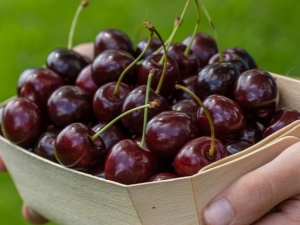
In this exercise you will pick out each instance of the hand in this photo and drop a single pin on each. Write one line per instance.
(269, 195)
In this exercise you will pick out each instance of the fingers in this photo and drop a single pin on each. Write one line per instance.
(256, 193)
(86, 49)
(2, 165)
(31, 216)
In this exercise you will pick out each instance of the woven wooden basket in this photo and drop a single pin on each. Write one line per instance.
(68, 197)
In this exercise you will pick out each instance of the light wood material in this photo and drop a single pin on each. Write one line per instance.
(68, 197)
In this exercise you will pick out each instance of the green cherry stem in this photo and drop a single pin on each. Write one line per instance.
(83, 4)
(214, 30)
(116, 90)
(212, 129)
(188, 48)
(151, 105)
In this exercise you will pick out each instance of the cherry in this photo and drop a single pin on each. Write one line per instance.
(244, 55)
(216, 78)
(39, 84)
(280, 119)
(257, 94)
(97, 171)
(203, 46)
(128, 163)
(69, 104)
(168, 131)
(153, 46)
(162, 176)
(22, 78)
(228, 118)
(112, 39)
(21, 122)
(237, 146)
(75, 149)
(85, 81)
(110, 64)
(189, 83)
(252, 132)
(188, 106)
(194, 155)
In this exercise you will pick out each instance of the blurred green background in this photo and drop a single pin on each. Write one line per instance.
(29, 30)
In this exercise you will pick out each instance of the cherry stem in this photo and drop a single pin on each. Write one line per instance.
(151, 105)
(116, 91)
(210, 121)
(151, 74)
(188, 48)
(214, 30)
(83, 4)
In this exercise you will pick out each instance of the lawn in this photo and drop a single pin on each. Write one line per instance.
(29, 30)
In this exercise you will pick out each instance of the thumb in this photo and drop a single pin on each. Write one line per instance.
(256, 193)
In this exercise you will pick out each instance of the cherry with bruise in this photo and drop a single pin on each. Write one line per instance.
(109, 65)
(244, 55)
(112, 39)
(127, 163)
(85, 81)
(153, 46)
(74, 148)
(21, 122)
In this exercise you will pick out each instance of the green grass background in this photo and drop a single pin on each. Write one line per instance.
(29, 30)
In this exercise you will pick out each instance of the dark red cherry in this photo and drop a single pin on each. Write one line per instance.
(44, 146)
(257, 94)
(241, 65)
(280, 119)
(22, 78)
(67, 63)
(237, 146)
(112, 39)
(228, 118)
(134, 121)
(194, 155)
(188, 106)
(75, 149)
(203, 46)
(162, 176)
(112, 135)
(168, 131)
(252, 132)
(171, 77)
(188, 65)
(128, 163)
(217, 78)
(106, 105)
(153, 46)
(244, 55)
(109, 65)
(39, 85)
(21, 122)
(69, 104)
(189, 83)
(85, 81)
(97, 171)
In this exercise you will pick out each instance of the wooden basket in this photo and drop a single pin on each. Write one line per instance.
(66, 196)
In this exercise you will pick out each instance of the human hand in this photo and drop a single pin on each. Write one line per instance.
(269, 195)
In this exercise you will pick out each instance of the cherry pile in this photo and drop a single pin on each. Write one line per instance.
(62, 108)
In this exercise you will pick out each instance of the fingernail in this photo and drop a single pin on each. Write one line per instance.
(219, 212)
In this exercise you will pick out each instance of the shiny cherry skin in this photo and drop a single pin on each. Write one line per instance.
(153, 46)
(74, 148)
(85, 81)
(203, 46)
(112, 135)
(162, 176)
(228, 118)
(193, 156)
(109, 65)
(44, 146)
(39, 85)
(189, 83)
(188, 65)
(69, 104)
(257, 94)
(106, 105)
(134, 121)
(22, 78)
(230, 57)
(244, 55)
(281, 118)
(21, 122)
(252, 132)
(216, 78)
(67, 63)
(168, 131)
(188, 106)
(237, 146)
(112, 39)
(172, 75)
(128, 163)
